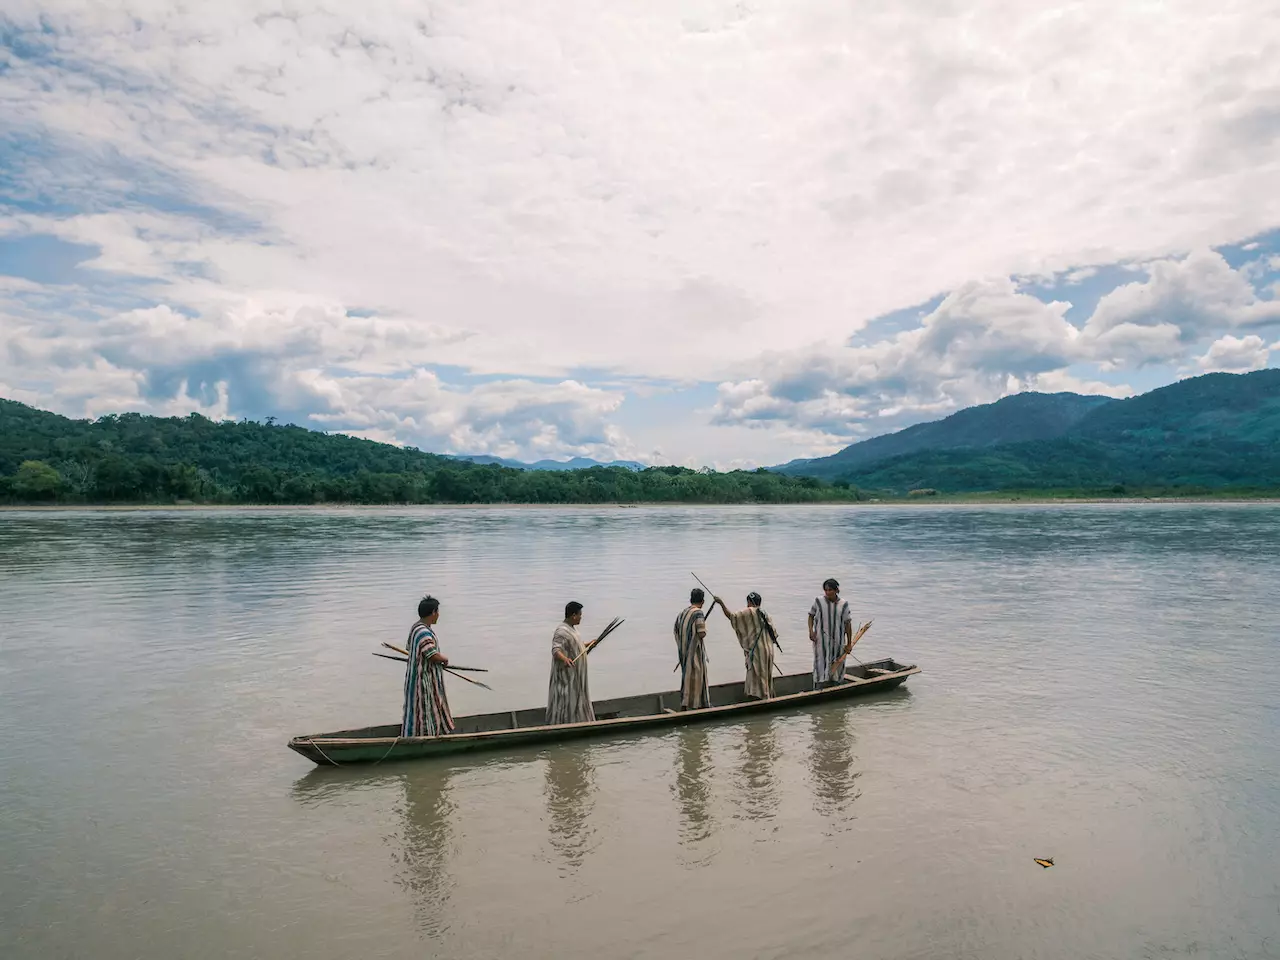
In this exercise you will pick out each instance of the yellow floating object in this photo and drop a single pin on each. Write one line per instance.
(1044, 863)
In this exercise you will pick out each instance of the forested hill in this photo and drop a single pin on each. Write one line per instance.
(132, 458)
(1022, 417)
(1214, 432)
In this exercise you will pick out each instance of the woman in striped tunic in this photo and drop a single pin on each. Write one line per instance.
(568, 699)
(426, 706)
(830, 626)
(691, 634)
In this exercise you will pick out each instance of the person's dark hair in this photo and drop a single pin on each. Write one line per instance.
(753, 599)
(831, 583)
(572, 607)
(428, 605)
(696, 595)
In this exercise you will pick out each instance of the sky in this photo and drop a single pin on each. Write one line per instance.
(709, 233)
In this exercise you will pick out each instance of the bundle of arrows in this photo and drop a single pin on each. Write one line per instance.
(613, 625)
(849, 646)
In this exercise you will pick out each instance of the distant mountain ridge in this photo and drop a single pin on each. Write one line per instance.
(1024, 416)
(1212, 431)
(574, 463)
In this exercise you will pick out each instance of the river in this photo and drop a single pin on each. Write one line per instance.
(1099, 685)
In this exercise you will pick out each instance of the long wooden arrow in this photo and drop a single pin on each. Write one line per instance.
(451, 666)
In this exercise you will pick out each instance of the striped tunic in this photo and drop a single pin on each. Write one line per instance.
(691, 633)
(426, 706)
(757, 649)
(568, 699)
(829, 620)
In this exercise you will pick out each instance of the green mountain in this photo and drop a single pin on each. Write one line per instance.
(1211, 432)
(132, 458)
(1022, 417)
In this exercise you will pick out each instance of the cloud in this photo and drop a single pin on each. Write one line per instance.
(986, 340)
(1230, 354)
(981, 341)
(1181, 301)
(511, 418)
(1060, 381)
(570, 158)
(317, 366)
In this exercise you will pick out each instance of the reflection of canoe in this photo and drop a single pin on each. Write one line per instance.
(488, 731)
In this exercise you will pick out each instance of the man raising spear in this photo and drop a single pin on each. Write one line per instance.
(757, 637)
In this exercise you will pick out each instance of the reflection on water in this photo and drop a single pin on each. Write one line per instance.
(756, 793)
(424, 846)
(570, 791)
(831, 772)
(692, 788)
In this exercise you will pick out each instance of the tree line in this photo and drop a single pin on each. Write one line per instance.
(133, 458)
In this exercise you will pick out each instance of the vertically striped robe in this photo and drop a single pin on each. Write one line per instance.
(690, 632)
(426, 706)
(829, 620)
(757, 649)
(568, 699)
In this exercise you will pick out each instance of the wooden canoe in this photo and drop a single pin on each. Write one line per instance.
(651, 711)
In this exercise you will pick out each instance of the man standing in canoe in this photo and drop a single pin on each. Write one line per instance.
(756, 635)
(830, 626)
(568, 699)
(691, 634)
(426, 706)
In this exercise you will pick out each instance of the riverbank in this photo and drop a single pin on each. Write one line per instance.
(954, 500)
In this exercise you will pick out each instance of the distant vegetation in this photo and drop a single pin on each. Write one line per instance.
(1208, 434)
(130, 458)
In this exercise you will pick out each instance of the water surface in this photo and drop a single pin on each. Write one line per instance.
(1100, 686)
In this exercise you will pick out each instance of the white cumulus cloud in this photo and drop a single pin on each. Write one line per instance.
(1179, 303)
(989, 339)
(1230, 354)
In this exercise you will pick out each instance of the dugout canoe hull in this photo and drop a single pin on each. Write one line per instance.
(621, 715)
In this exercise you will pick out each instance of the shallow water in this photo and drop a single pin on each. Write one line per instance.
(1100, 685)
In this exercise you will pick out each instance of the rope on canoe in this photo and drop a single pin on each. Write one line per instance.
(337, 764)
(388, 753)
(334, 763)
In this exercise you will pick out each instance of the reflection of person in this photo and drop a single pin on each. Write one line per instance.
(426, 706)
(428, 812)
(570, 780)
(691, 635)
(758, 780)
(756, 635)
(831, 761)
(692, 791)
(830, 626)
(568, 699)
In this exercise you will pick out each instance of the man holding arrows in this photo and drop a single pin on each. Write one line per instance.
(831, 632)
(568, 696)
(426, 705)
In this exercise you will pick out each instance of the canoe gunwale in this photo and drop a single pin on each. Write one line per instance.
(317, 746)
